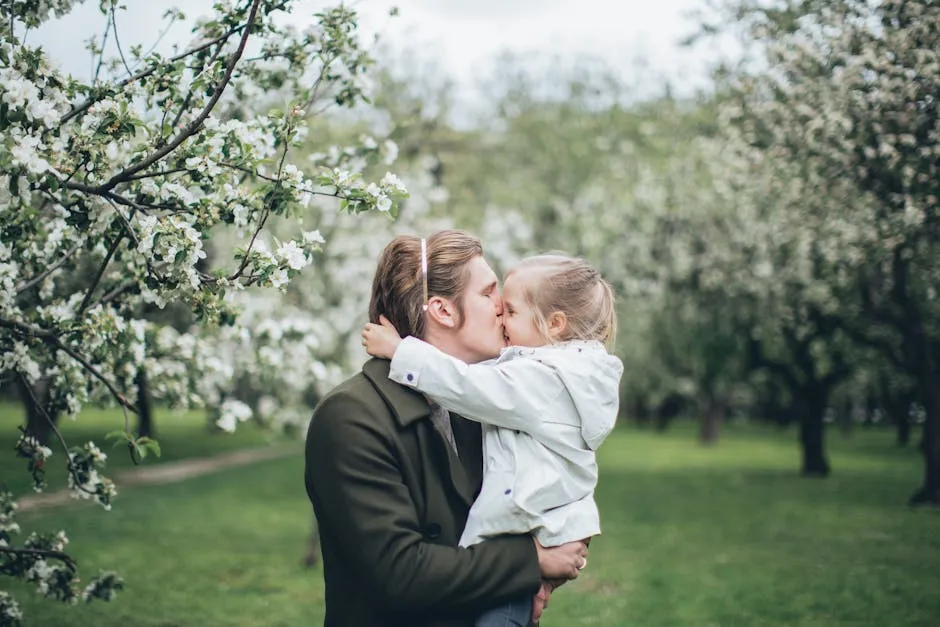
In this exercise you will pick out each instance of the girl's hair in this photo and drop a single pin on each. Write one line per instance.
(398, 284)
(574, 287)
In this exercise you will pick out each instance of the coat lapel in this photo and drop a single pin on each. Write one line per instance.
(409, 406)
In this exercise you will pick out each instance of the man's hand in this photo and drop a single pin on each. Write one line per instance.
(562, 562)
(380, 340)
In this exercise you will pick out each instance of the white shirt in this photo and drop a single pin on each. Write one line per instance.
(544, 411)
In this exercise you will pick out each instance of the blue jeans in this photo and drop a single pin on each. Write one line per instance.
(512, 614)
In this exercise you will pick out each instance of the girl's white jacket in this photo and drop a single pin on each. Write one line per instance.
(544, 411)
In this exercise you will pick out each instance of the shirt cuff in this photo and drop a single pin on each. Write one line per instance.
(406, 362)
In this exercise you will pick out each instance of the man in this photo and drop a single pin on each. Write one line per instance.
(392, 477)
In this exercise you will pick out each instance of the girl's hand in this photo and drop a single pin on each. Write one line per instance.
(380, 340)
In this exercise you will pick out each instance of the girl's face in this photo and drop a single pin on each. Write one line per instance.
(518, 316)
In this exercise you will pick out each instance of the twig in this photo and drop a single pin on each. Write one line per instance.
(104, 42)
(104, 266)
(118, 41)
(126, 220)
(22, 287)
(42, 410)
(145, 73)
(163, 34)
(123, 287)
(272, 179)
(150, 175)
(264, 218)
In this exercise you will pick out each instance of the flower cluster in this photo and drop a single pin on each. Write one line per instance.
(8, 527)
(42, 561)
(10, 613)
(36, 455)
(85, 480)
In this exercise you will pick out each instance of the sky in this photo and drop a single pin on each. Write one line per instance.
(462, 38)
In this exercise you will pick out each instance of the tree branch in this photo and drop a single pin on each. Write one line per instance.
(22, 287)
(758, 359)
(65, 446)
(145, 73)
(94, 371)
(117, 291)
(42, 410)
(882, 345)
(51, 338)
(193, 126)
(63, 557)
(189, 92)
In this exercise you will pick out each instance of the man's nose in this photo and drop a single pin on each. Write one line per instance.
(499, 307)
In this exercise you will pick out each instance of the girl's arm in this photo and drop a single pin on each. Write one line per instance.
(516, 395)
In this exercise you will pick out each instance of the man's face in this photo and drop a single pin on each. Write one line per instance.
(481, 336)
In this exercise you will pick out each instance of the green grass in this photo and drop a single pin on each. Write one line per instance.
(223, 549)
(728, 536)
(180, 435)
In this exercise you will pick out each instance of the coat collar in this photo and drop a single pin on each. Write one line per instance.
(407, 405)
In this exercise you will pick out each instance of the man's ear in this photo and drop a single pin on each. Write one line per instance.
(557, 324)
(442, 311)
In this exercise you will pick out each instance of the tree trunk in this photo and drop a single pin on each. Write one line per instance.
(37, 425)
(904, 432)
(640, 412)
(812, 438)
(145, 426)
(929, 493)
(667, 410)
(898, 410)
(710, 423)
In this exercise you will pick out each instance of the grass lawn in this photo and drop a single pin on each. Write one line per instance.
(180, 435)
(728, 536)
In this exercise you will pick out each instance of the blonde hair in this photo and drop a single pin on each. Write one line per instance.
(574, 287)
(398, 284)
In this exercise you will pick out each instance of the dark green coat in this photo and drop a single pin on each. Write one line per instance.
(391, 501)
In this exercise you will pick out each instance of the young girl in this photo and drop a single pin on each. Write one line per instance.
(546, 404)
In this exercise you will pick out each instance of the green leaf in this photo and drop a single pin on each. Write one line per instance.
(151, 444)
(120, 437)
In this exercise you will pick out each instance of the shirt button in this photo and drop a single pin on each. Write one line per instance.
(432, 531)
(410, 377)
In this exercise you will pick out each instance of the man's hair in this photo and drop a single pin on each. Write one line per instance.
(556, 282)
(398, 289)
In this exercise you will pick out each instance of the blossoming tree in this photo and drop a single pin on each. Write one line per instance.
(847, 105)
(112, 189)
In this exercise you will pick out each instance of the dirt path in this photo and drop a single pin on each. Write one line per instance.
(166, 473)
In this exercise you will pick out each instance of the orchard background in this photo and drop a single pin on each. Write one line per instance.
(188, 233)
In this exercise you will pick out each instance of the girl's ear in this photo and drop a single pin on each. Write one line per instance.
(442, 311)
(557, 325)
